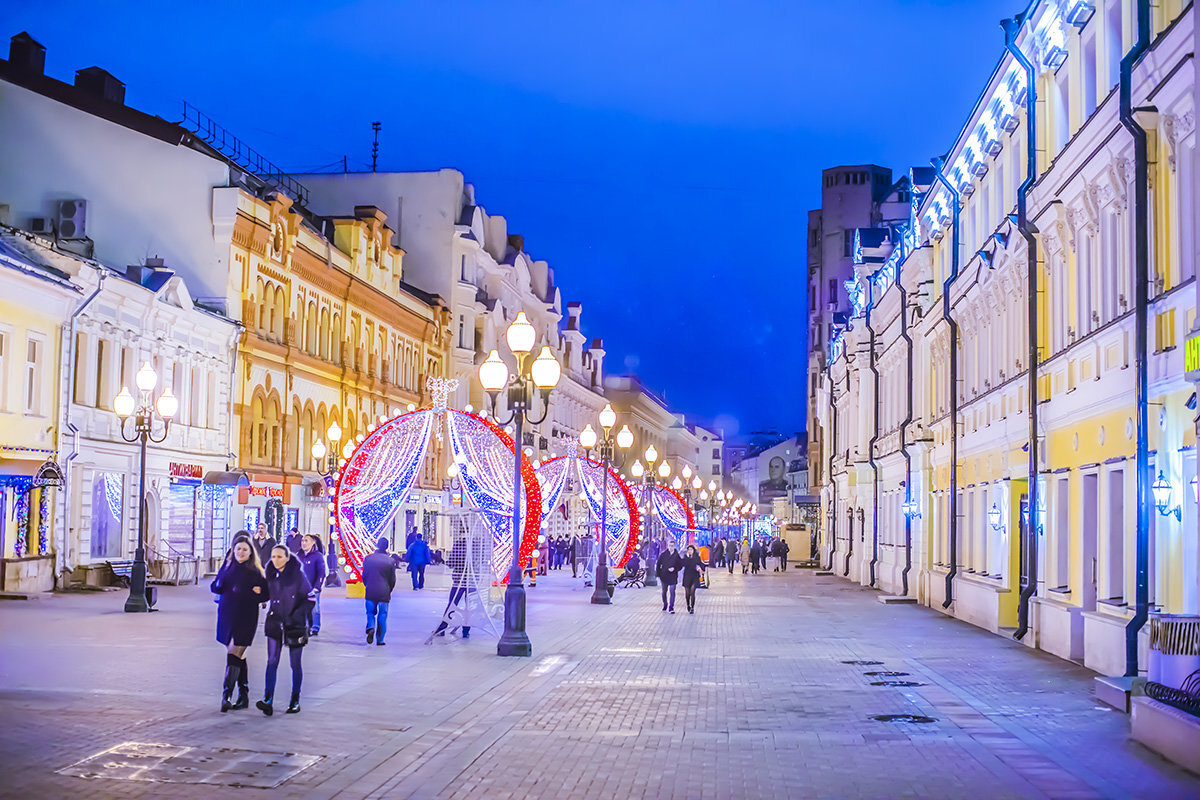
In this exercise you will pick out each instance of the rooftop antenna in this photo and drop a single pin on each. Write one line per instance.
(375, 126)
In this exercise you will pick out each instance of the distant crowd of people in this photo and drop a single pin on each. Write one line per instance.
(761, 553)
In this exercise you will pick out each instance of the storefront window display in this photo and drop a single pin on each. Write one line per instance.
(108, 493)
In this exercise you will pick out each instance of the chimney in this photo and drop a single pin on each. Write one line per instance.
(26, 55)
(573, 312)
(101, 83)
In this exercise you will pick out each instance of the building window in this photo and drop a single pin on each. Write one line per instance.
(716, 453)
(847, 242)
(833, 295)
(716, 470)
(3, 370)
(33, 376)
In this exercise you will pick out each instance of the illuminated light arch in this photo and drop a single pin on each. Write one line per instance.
(375, 480)
(624, 521)
(671, 509)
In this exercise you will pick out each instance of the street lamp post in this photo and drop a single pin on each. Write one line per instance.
(541, 373)
(623, 439)
(326, 467)
(142, 411)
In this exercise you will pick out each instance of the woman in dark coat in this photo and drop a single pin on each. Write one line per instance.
(312, 561)
(287, 623)
(240, 587)
(693, 565)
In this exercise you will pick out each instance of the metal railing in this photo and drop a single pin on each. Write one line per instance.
(241, 154)
(173, 567)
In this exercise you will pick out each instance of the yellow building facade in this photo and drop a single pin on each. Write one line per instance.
(331, 334)
(927, 395)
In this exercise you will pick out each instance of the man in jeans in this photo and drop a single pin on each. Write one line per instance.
(379, 578)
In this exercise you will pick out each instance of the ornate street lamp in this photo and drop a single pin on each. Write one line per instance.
(326, 466)
(995, 518)
(589, 440)
(541, 374)
(652, 543)
(142, 412)
(1161, 490)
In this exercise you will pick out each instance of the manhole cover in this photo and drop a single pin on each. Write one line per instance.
(886, 674)
(863, 663)
(907, 718)
(896, 683)
(166, 763)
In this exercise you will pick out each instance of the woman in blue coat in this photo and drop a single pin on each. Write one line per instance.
(240, 588)
(312, 561)
(287, 623)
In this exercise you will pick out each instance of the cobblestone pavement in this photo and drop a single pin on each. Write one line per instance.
(750, 698)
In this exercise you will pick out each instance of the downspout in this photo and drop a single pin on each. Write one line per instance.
(874, 436)
(832, 481)
(908, 487)
(1141, 279)
(849, 540)
(1029, 543)
(72, 354)
(938, 165)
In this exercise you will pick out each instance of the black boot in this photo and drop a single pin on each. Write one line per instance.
(243, 686)
(265, 707)
(294, 706)
(231, 675)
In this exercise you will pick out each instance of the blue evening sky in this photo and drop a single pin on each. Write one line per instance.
(662, 156)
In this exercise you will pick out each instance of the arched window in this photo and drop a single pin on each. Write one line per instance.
(336, 339)
(353, 344)
(262, 305)
(258, 431)
(280, 313)
(273, 428)
(310, 337)
(323, 345)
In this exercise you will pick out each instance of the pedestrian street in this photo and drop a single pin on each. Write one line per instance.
(768, 691)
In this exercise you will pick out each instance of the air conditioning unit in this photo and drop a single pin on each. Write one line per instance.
(72, 219)
(40, 226)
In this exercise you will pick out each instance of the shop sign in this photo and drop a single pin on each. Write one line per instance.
(191, 471)
(1191, 357)
(266, 491)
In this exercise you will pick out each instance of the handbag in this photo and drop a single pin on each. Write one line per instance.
(295, 638)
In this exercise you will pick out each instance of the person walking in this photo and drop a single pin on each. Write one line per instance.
(744, 556)
(240, 587)
(667, 569)
(292, 540)
(379, 578)
(263, 542)
(756, 554)
(693, 565)
(573, 551)
(287, 624)
(783, 554)
(418, 556)
(731, 554)
(312, 561)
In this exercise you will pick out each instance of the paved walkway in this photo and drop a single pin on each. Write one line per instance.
(751, 698)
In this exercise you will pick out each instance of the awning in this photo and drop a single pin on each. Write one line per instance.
(219, 478)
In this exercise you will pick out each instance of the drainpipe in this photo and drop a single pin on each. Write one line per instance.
(938, 165)
(1141, 279)
(908, 487)
(874, 436)
(832, 482)
(1029, 543)
(849, 540)
(72, 354)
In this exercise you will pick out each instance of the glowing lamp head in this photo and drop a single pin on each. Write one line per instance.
(520, 335)
(587, 437)
(319, 450)
(1162, 494)
(624, 438)
(712, 486)
(146, 378)
(347, 449)
(704, 494)
(545, 370)
(167, 405)
(493, 373)
(664, 470)
(696, 482)
(334, 433)
(124, 404)
(686, 472)
(994, 517)
(651, 455)
(608, 417)
(452, 470)
(677, 484)
(637, 470)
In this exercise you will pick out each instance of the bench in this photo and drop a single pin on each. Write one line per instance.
(627, 580)
(121, 571)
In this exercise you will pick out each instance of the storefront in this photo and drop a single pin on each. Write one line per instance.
(29, 482)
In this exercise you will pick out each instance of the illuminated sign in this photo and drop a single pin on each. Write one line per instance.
(1191, 357)
(266, 491)
(178, 470)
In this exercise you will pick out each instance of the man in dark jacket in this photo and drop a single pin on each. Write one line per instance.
(263, 542)
(292, 540)
(418, 557)
(379, 578)
(756, 553)
(667, 570)
(731, 554)
(783, 554)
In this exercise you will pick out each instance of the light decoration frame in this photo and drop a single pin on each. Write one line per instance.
(624, 525)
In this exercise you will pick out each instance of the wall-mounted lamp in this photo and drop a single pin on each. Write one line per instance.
(912, 509)
(1162, 497)
(995, 518)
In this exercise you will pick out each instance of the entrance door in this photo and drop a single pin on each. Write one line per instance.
(1091, 538)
